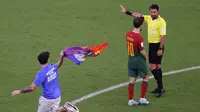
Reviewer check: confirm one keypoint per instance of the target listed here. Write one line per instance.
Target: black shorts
(153, 57)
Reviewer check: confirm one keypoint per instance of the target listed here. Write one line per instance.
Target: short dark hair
(154, 6)
(137, 22)
(43, 57)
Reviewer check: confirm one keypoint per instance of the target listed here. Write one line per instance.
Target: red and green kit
(136, 62)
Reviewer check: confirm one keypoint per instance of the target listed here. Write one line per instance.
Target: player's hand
(62, 54)
(15, 92)
(122, 9)
(160, 52)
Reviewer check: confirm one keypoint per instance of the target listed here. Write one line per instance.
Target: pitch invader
(136, 62)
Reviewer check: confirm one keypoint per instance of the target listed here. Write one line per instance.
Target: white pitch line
(126, 83)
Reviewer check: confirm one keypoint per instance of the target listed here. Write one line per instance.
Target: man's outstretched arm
(134, 14)
(28, 89)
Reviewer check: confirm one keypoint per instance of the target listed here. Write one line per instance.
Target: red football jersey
(134, 43)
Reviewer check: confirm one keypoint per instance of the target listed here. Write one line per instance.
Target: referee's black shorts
(153, 57)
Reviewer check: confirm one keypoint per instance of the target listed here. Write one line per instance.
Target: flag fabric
(78, 54)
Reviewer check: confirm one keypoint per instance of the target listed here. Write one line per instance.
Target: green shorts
(137, 67)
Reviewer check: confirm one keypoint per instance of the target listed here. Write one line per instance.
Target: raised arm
(60, 61)
(134, 14)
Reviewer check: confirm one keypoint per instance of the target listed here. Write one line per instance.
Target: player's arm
(60, 61)
(39, 79)
(143, 52)
(28, 89)
(134, 14)
(141, 47)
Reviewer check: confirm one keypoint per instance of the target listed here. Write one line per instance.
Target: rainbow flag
(78, 54)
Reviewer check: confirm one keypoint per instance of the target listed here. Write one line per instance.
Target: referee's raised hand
(122, 9)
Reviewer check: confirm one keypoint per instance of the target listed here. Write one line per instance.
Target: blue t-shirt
(47, 77)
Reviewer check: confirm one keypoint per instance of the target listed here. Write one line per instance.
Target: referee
(156, 33)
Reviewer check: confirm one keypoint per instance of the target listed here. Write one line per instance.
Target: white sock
(142, 98)
(131, 100)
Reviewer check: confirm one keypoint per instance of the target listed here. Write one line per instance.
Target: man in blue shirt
(47, 77)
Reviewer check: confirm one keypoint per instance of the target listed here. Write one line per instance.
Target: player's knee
(158, 66)
(152, 66)
(145, 82)
(132, 80)
(146, 78)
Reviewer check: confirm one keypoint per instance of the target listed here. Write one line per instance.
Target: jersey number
(130, 48)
